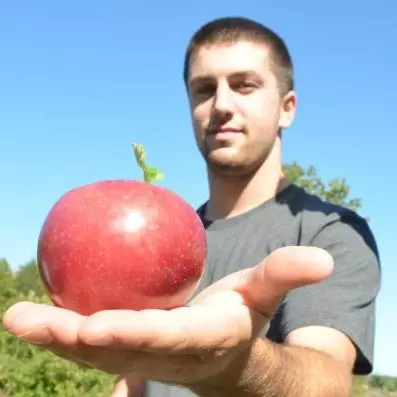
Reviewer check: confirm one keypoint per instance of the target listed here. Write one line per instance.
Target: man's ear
(288, 109)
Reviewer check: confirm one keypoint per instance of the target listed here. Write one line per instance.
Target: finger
(130, 386)
(181, 330)
(42, 324)
(284, 269)
(121, 390)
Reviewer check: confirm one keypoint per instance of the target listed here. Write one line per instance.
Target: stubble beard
(240, 167)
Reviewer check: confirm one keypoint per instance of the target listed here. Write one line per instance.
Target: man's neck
(230, 197)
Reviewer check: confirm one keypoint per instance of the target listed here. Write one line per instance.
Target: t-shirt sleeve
(346, 300)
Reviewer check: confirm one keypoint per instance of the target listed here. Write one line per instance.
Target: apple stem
(150, 174)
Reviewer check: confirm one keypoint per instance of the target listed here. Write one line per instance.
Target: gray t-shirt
(345, 301)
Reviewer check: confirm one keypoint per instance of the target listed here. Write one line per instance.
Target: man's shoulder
(317, 209)
(335, 222)
(298, 217)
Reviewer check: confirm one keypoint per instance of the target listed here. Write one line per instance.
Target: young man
(239, 79)
(287, 304)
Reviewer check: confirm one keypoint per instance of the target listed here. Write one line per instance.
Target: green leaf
(153, 174)
(150, 174)
(140, 154)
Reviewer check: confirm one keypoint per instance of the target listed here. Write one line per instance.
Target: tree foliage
(336, 191)
(30, 371)
(27, 279)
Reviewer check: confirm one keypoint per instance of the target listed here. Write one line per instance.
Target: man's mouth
(224, 133)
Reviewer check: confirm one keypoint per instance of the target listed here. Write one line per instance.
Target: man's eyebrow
(240, 74)
(247, 73)
(201, 79)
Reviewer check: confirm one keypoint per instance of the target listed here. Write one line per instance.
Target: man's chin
(223, 157)
(226, 167)
(230, 163)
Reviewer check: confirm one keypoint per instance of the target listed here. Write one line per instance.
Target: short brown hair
(229, 30)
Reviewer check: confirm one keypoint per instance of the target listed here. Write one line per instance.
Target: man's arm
(314, 361)
(327, 328)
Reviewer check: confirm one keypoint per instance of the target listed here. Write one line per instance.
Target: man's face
(236, 106)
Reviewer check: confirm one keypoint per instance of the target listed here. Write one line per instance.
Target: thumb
(265, 285)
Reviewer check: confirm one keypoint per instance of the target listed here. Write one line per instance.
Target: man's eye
(244, 85)
(205, 89)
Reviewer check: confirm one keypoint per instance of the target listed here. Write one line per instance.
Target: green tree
(30, 371)
(8, 289)
(27, 279)
(336, 191)
(360, 386)
(385, 383)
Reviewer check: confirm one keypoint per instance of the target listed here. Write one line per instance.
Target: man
(287, 304)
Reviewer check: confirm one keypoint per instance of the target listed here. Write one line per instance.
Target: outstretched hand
(185, 345)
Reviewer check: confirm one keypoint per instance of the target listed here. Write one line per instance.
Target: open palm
(184, 345)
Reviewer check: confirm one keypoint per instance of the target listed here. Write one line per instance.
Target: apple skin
(121, 244)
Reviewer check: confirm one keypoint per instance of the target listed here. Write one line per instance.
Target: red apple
(121, 244)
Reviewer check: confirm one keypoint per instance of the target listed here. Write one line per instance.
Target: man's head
(239, 76)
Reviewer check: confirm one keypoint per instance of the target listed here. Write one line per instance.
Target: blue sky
(81, 80)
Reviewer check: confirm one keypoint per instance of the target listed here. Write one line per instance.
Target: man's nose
(223, 103)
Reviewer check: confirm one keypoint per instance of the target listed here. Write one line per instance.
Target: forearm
(271, 370)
